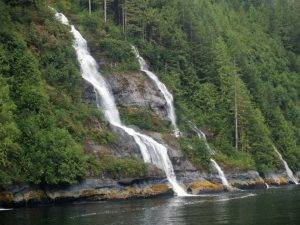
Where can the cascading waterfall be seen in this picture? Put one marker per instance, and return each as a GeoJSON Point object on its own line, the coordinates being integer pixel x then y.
{"type": "Point", "coordinates": [201, 135]}
{"type": "Point", "coordinates": [213, 162]}
{"type": "Point", "coordinates": [289, 172]}
{"type": "Point", "coordinates": [167, 95]}
{"type": "Point", "coordinates": [221, 174]}
{"type": "Point", "coordinates": [152, 151]}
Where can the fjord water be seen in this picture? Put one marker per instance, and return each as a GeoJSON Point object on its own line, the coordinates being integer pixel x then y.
{"type": "Point", "coordinates": [276, 206]}
{"type": "Point", "coordinates": [162, 87]}
{"type": "Point", "coordinates": [152, 151]}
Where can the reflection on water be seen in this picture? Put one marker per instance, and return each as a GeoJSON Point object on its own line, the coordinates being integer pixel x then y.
{"type": "Point", "coordinates": [273, 206]}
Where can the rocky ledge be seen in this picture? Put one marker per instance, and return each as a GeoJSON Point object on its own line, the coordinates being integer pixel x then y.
{"type": "Point", "coordinates": [96, 189]}
{"type": "Point", "coordinates": [91, 189]}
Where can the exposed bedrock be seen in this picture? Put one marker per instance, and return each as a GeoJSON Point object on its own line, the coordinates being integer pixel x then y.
{"type": "Point", "coordinates": [138, 91]}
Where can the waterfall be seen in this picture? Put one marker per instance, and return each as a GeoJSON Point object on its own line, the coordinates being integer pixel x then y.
{"type": "Point", "coordinates": [202, 136]}
{"type": "Point", "coordinates": [152, 151]}
{"type": "Point", "coordinates": [167, 95]}
{"type": "Point", "coordinates": [222, 176]}
{"type": "Point", "coordinates": [289, 172]}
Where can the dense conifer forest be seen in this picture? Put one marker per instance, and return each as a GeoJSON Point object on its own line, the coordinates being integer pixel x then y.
{"type": "Point", "coordinates": [233, 67]}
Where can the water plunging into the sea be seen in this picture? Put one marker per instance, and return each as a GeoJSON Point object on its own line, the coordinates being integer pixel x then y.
{"type": "Point", "coordinates": [162, 87]}
{"type": "Point", "coordinates": [221, 174]}
{"type": "Point", "coordinates": [289, 172]}
{"type": "Point", "coordinates": [152, 151]}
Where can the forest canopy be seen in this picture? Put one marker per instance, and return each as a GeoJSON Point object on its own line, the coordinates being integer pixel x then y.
{"type": "Point", "coordinates": [212, 55]}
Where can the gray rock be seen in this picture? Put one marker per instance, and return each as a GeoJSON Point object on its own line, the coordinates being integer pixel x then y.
{"type": "Point", "coordinates": [137, 90]}
{"type": "Point", "coordinates": [276, 178]}
{"type": "Point", "coordinates": [125, 145]}
{"type": "Point", "coordinates": [89, 95]}
{"type": "Point", "coordinates": [246, 180]}
{"type": "Point", "coordinates": [297, 175]}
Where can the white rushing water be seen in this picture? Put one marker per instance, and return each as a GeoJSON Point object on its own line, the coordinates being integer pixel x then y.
{"type": "Point", "coordinates": [221, 174]}
{"type": "Point", "coordinates": [289, 172]}
{"type": "Point", "coordinates": [3, 209]}
{"type": "Point", "coordinates": [162, 87]}
{"type": "Point", "coordinates": [201, 135]}
{"type": "Point", "coordinates": [152, 151]}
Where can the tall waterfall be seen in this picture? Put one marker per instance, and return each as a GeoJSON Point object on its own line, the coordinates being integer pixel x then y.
{"type": "Point", "coordinates": [152, 151]}
{"type": "Point", "coordinates": [289, 172]}
{"type": "Point", "coordinates": [221, 174]}
{"type": "Point", "coordinates": [167, 95]}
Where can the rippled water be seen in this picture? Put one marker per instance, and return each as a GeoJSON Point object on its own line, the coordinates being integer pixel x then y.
{"type": "Point", "coordinates": [273, 206]}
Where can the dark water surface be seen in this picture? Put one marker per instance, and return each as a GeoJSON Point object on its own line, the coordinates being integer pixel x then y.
{"type": "Point", "coordinates": [273, 206]}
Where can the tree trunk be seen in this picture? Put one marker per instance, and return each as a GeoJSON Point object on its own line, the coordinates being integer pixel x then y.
{"type": "Point", "coordinates": [90, 7]}
{"type": "Point", "coordinates": [124, 19]}
{"type": "Point", "coordinates": [236, 113]}
{"type": "Point", "coordinates": [105, 9]}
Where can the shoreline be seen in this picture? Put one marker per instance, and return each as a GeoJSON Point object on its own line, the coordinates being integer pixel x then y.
{"type": "Point", "coordinates": [94, 189]}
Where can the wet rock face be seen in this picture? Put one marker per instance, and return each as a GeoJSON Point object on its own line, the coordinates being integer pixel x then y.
{"type": "Point", "coordinates": [125, 145]}
{"type": "Point", "coordinates": [246, 180]}
{"type": "Point", "coordinates": [204, 186]}
{"type": "Point", "coordinates": [276, 178]}
{"type": "Point", "coordinates": [90, 189]}
{"type": "Point", "coordinates": [138, 91]}
{"type": "Point", "coordinates": [89, 95]}
{"type": "Point", "coordinates": [186, 172]}
{"type": "Point", "coordinates": [297, 175]}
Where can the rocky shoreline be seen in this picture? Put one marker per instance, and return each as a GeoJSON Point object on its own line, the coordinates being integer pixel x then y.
{"type": "Point", "coordinates": [96, 189]}
{"type": "Point", "coordinates": [137, 92]}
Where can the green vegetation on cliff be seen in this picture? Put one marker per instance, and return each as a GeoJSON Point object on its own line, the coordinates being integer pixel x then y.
{"type": "Point", "coordinates": [210, 54]}
{"type": "Point", "coordinates": [205, 51]}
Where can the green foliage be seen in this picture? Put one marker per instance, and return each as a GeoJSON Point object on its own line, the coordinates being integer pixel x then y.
{"type": "Point", "coordinates": [104, 137]}
{"type": "Point", "coordinates": [44, 123]}
{"type": "Point", "coordinates": [122, 167]}
{"type": "Point", "coordinates": [204, 51]}
{"type": "Point", "coordinates": [144, 119]}
{"type": "Point", "coordinates": [119, 52]}
{"type": "Point", "coordinates": [241, 160]}
{"type": "Point", "coordinates": [55, 158]}
{"type": "Point", "coordinates": [196, 151]}
{"type": "Point", "coordinates": [10, 153]}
